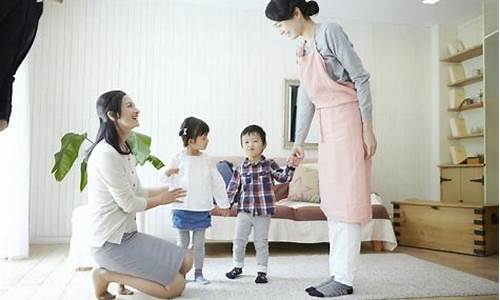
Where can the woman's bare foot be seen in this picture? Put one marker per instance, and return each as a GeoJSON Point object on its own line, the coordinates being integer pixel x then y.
{"type": "Point", "coordinates": [101, 284]}
{"type": "Point", "coordinates": [122, 290]}
{"type": "Point", "coordinates": [106, 296]}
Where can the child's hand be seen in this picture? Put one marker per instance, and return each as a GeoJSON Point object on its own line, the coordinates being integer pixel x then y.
{"type": "Point", "coordinates": [172, 171]}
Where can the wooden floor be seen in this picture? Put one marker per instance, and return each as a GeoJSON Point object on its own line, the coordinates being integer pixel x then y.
{"type": "Point", "coordinates": [46, 276]}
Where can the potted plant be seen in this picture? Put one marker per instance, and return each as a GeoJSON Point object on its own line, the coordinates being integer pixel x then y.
{"type": "Point", "coordinates": [70, 147]}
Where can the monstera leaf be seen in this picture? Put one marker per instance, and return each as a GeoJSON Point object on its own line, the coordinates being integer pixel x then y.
{"type": "Point", "coordinates": [64, 159]}
{"type": "Point", "coordinates": [155, 161]}
{"type": "Point", "coordinates": [139, 145]}
{"type": "Point", "coordinates": [70, 147]}
{"type": "Point", "coordinates": [83, 175]}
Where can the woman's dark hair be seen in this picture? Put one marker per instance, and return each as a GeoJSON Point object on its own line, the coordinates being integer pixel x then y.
{"type": "Point", "coordinates": [256, 129]}
{"type": "Point", "coordinates": [191, 128]}
{"type": "Point", "coordinates": [108, 102]}
{"type": "Point", "coordinates": [281, 10]}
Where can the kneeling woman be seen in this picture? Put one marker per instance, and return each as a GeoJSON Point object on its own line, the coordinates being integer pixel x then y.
{"type": "Point", "coordinates": [125, 256]}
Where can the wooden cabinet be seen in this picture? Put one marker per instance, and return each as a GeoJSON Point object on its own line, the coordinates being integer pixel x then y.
{"type": "Point", "coordinates": [469, 229]}
{"type": "Point", "coordinates": [462, 184]}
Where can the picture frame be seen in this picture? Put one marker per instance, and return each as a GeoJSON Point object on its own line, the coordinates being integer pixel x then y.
{"type": "Point", "coordinates": [290, 94]}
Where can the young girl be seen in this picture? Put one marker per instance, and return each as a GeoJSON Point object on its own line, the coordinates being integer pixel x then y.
{"type": "Point", "coordinates": [194, 171]}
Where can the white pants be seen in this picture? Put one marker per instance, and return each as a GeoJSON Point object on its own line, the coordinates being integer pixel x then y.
{"type": "Point", "coordinates": [345, 246]}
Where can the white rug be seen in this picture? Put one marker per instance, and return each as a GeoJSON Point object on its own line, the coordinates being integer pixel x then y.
{"type": "Point", "coordinates": [379, 276]}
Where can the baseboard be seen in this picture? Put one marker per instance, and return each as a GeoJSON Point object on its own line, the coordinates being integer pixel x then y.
{"type": "Point", "coordinates": [50, 240]}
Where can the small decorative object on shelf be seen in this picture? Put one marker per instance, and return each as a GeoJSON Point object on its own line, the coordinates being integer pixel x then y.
{"type": "Point", "coordinates": [458, 154]}
{"type": "Point", "coordinates": [476, 130]}
{"type": "Point", "coordinates": [455, 47]}
{"type": "Point", "coordinates": [473, 160]}
{"type": "Point", "coordinates": [456, 73]}
{"type": "Point", "coordinates": [456, 96]}
{"type": "Point", "coordinates": [457, 126]}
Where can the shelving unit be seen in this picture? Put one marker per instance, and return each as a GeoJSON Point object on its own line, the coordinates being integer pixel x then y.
{"type": "Point", "coordinates": [484, 114]}
{"type": "Point", "coordinates": [461, 166]}
{"type": "Point", "coordinates": [468, 200]}
{"type": "Point", "coordinates": [469, 136]}
{"type": "Point", "coordinates": [467, 54]}
{"type": "Point", "coordinates": [466, 81]}
{"type": "Point", "coordinates": [467, 107]}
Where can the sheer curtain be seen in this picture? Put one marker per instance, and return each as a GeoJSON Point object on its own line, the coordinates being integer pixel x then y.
{"type": "Point", "coordinates": [15, 150]}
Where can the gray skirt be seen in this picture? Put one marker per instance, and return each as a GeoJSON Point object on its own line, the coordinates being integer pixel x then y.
{"type": "Point", "coordinates": [141, 255]}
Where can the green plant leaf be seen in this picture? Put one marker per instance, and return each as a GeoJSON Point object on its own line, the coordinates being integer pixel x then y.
{"type": "Point", "coordinates": [155, 161]}
{"type": "Point", "coordinates": [140, 146]}
{"type": "Point", "coordinates": [64, 159]}
{"type": "Point", "coordinates": [83, 175]}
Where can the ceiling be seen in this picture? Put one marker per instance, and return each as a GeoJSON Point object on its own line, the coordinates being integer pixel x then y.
{"type": "Point", "coordinates": [385, 11]}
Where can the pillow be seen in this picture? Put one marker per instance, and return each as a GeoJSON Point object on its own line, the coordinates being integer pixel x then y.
{"type": "Point", "coordinates": [281, 191]}
{"type": "Point", "coordinates": [305, 184]}
{"type": "Point", "coordinates": [225, 169]}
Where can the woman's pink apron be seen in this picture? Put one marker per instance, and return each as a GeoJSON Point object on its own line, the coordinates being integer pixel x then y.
{"type": "Point", "coordinates": [344, 174]}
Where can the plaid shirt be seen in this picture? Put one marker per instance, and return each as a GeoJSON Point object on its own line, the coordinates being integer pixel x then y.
{"type": "Point", "coordinates": [255, 185]}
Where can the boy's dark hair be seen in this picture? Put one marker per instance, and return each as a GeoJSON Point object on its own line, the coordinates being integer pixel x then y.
{"type": "Point", "coordinates": [254, 129]}
{"type": "Point", "coordinates": [191, 128]}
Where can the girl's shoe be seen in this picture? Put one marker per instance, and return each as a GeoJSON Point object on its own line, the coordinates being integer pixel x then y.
{"type": "Point", "coordinates": [201, 280]}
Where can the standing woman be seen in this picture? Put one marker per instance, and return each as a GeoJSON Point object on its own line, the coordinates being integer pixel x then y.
{"type": "Point", "coordinates": [125, 256]}
{"type": "Point", "coordinates": [335, 86]}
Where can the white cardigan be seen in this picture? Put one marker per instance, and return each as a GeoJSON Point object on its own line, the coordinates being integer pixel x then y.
{"type": "Point", "coordinates": [114, 194]}
{"type": "Point", "coordinates": [198, 175]}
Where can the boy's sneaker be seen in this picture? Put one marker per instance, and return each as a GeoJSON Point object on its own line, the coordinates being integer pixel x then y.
{"type": "Point", "coordinates": [261, 277]}
{"type": "Point", "coordinates": [234, 273]}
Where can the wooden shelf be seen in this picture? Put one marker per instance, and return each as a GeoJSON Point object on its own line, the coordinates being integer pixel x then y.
{"type": "Point", "coordinates": [465, 55]}
{"type": "Point", "coordinates": [466, 81]}
{"type": "Point", "coordinates": [420, 202]}
{"type": "Point", "coordinates": [469, 136]}
{"type": "Point", "coordinates": [461, 165]}
{"type": "Point", "coordinates": [467, 107]}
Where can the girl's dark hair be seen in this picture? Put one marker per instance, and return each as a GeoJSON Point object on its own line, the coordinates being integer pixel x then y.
{"type": "Point", "coordinates": [253, 129]}
{"type": "Point", "coordinates": [191, 128]}
{"type": "Point", "coordinates": [108, 102]}
{"type": "Point", "coordinates": [281, 10]}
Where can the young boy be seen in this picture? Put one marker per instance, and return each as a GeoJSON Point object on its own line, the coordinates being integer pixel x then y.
{"type": "Point", "coordinates": [253, 179]}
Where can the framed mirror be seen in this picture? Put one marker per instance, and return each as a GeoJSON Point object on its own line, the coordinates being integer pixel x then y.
{"type": "Point", "coordinates": [290, 92]}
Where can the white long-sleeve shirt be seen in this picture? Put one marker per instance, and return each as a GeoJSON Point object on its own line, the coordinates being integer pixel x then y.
{"type": "Point", "coordinates": [114, 194]}
{"type": "Point", "coordinates": [198, 175]}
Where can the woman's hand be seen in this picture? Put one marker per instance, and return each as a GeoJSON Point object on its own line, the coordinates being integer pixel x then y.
{"type": "Point", "coordinates": [172, 171]}
{"type": "Point", "coordinates": [297, 154]}
{"type": "Point", "coordinates": [171, 196]}
{"type": "Point", "coordinates": [165, 196]}
{"type": "Point", "coordinates": [369, 141]}
{"type": "Point", "coordinates": [293, 161]}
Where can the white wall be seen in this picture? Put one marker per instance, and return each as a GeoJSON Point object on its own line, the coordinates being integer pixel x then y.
{"type": "Point", "coordinates": [15, 176]}
{"type": "Point", "coordinates": [225, 66]}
